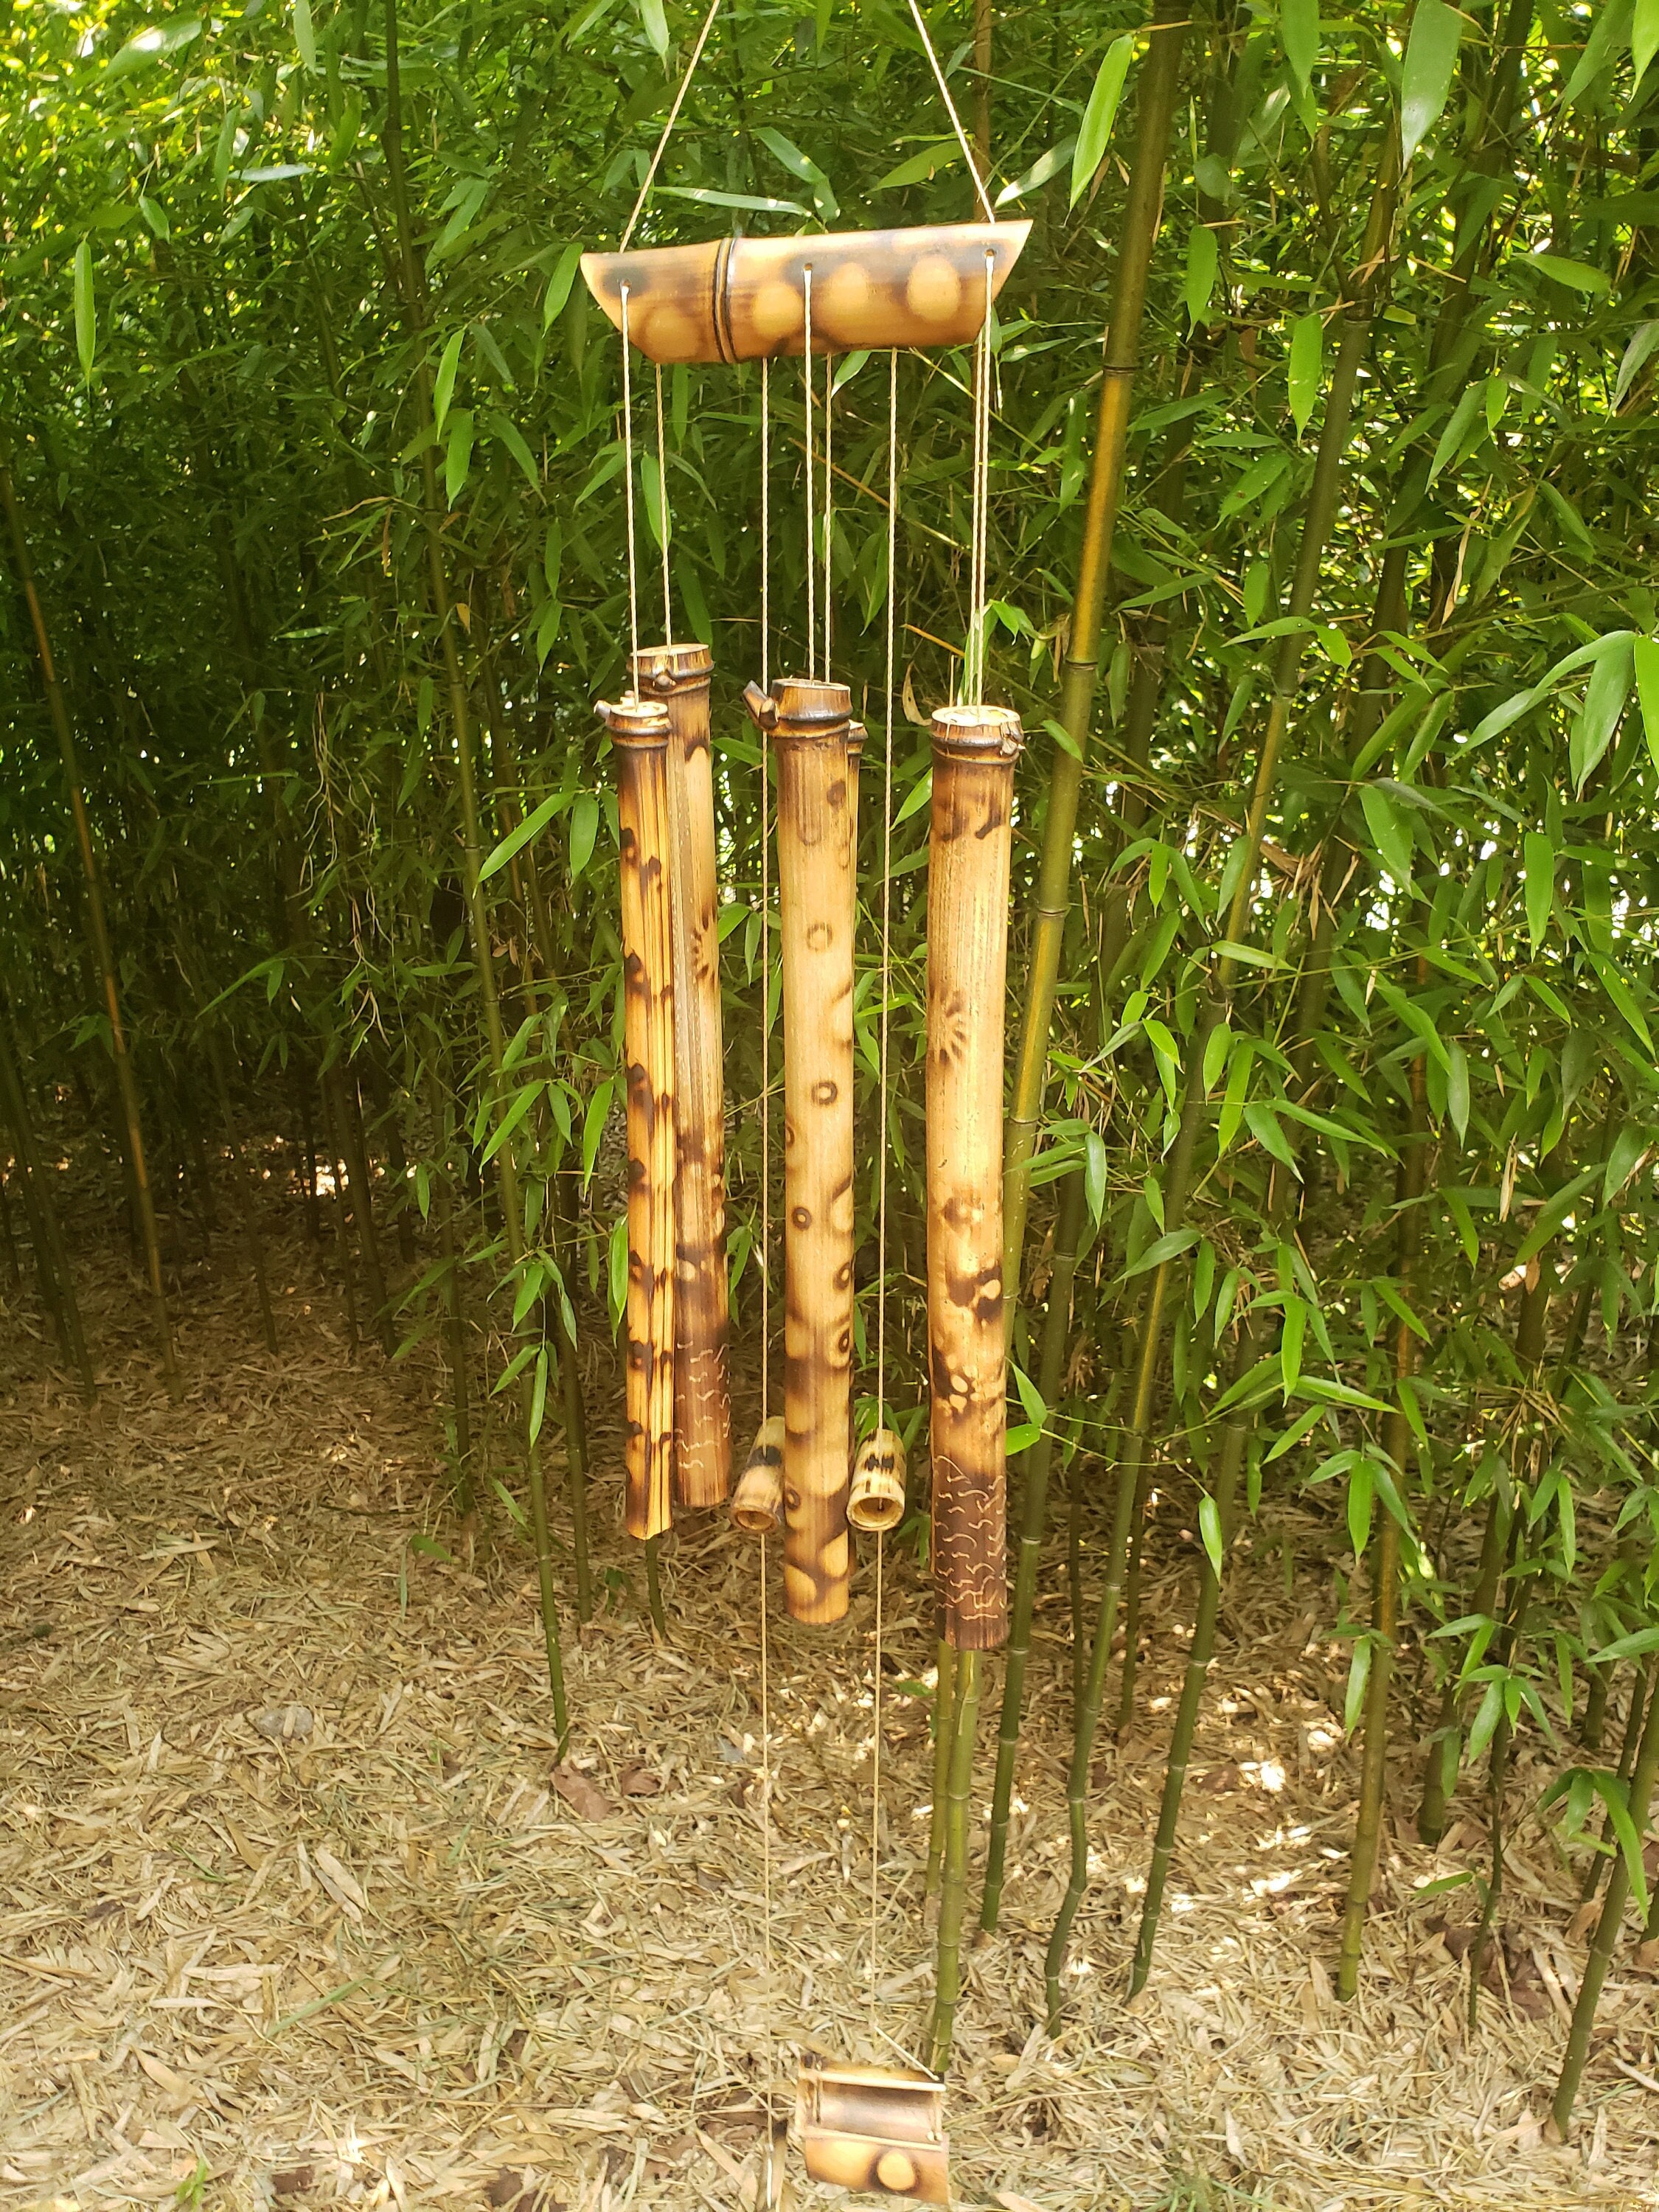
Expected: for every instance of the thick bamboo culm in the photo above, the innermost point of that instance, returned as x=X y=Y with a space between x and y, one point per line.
x=874 y=2127
x=877 y=1499
x=808 y=723
x=757 y=1501
x=745 y=299
x=639 y=730
x=678 y=676
x=974 y=749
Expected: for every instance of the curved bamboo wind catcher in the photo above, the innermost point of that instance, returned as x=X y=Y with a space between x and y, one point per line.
x=640 y=731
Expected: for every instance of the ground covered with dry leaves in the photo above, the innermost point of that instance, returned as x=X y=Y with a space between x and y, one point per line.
x=295 y=1910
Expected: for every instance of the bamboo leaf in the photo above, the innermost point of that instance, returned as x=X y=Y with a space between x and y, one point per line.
x=1604 y=705
x=1644 y=40
x=1436 y=32
x=920 y=169
x=654 y=23
x=1209 y=1529
x=559 y=283
x=443 y=384
x=154 y=41
x=304 y=37
x=1307 y=365
x=799 y=165
x=1644 y=656
x=1298 y=25
x=584 y=829
x=1095 y=133
x=514 y=842
x=1538 y=857
x=1203 y=262
x=86 y=311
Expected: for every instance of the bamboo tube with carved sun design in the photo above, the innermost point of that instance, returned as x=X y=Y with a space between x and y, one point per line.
x=810 y=724
x=974 y=749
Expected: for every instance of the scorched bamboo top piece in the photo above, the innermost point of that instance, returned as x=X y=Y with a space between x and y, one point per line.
x=745 y=299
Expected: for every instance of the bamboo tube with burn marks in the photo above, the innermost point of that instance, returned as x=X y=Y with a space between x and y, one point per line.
x=678 y=676
x=974 y=749
x=810 y=725
x=745 y=299
x=877 y=1501
x=639 y=729
x=757 y=1501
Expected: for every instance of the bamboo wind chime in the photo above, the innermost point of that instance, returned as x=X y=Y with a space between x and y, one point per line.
x=726 y=302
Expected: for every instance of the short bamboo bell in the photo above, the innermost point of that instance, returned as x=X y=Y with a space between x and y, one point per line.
x=757 y=1501
x=639 y=731
x=974 y=749
x=876 y=1502
x=874 y=2127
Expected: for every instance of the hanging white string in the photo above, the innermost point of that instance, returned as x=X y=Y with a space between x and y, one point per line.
x=881 y=1150
x=956 y=120
x=811 y=534
x=628 y=478
x=829 y=492
x=673 y=117
x=972 y=663
x=766 y=1239
x=662 y=513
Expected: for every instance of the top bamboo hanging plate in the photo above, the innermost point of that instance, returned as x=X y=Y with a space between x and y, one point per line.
x=745 y=299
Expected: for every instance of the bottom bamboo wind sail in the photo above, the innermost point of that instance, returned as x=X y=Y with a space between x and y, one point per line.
x=639 y=730
x=974 y=749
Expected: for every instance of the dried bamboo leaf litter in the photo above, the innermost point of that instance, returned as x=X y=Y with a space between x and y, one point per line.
x=294 y=1911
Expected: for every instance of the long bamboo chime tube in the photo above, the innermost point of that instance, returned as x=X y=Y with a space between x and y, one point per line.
x=639 y=731
x=678 y=676
x=974 y=749
x=811 y=727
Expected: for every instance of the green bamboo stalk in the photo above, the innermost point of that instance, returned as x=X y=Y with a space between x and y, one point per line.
x=953 y=1889
x=1317 y=518
x=1160 y=78
x=1445 y=1743
x=944 y=1719
x=1611 y=1915
x=1627 y=1749
x=247 y=1218
x=570 y=1388
x=1229 y=1464
x=14 y=1262
x=51 y=1258
x=461 y=1391
x=1036 y=1463
x=1385 y=1602
x=443 y=612
x=98 y=926
x=1498 y=1770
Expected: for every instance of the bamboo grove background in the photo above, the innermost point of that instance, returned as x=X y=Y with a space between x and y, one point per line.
x=1342 y=1181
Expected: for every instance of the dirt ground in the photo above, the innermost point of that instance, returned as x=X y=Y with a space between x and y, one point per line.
x=294 y=1912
